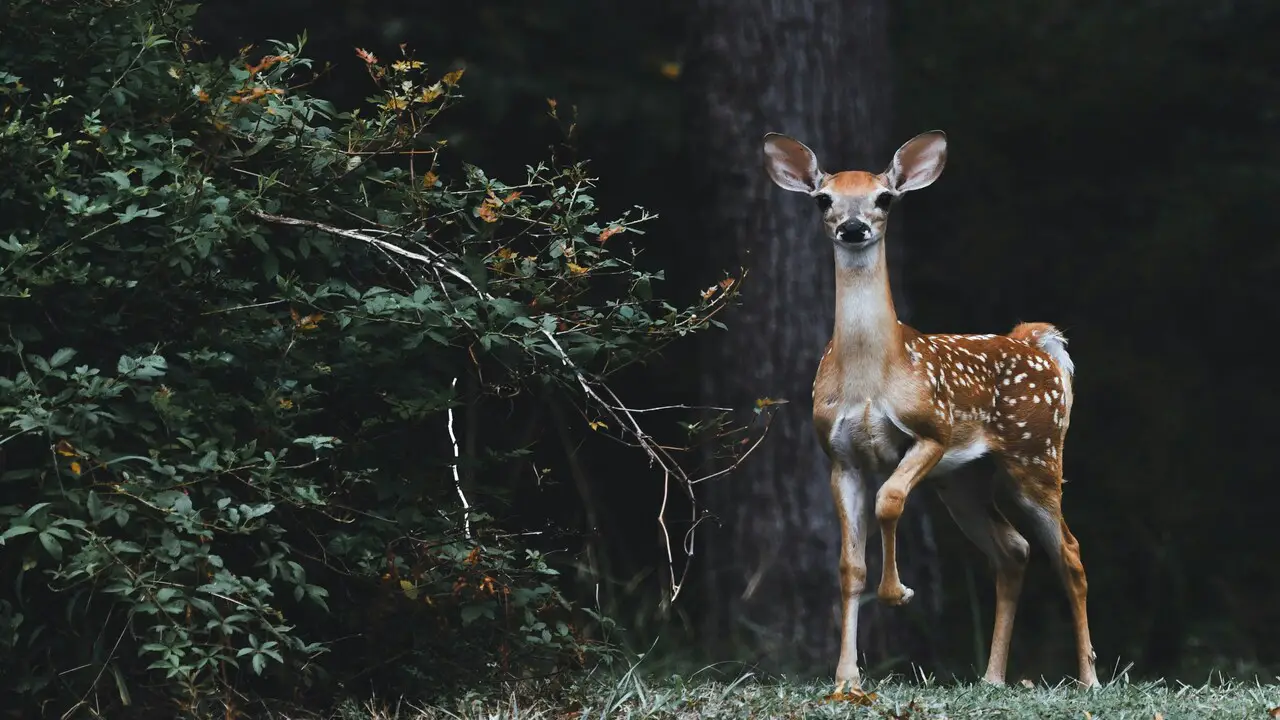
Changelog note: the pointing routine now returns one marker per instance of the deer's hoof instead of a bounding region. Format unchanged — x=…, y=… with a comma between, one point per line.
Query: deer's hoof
x=895, y=596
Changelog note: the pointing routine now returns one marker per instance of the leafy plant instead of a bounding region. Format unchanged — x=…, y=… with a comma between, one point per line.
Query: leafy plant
x=239, y=326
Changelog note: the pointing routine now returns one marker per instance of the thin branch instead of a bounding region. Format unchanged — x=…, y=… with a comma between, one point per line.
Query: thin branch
x=432, y=258
x=457, y=479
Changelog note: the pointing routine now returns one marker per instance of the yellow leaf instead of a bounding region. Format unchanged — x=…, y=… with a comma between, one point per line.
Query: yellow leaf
x=409, y=589
x=670, y=70
x=452, y=78
x=576, y=269
x=175, y=73
x=430, y=179
x=395, y=103
x=596, y=425
x=506, y=253
x=431, y=93
x=406, y=65
x=75, y=468
x=65, y=449
x=286, y=403
x=765, y=402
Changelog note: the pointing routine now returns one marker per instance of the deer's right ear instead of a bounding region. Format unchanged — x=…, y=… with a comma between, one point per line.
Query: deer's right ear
x=792, y=166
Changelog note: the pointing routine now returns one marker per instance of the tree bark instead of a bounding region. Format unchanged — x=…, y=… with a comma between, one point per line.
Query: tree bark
x=817, y=70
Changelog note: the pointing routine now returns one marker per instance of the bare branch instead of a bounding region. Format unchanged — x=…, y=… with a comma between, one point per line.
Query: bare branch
x=432, y=258
x=457, y=479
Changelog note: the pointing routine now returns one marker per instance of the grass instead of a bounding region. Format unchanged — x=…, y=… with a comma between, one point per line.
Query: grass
x=633, y=696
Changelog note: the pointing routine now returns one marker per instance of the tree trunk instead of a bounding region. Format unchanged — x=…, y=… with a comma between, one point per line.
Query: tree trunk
x=817, y=70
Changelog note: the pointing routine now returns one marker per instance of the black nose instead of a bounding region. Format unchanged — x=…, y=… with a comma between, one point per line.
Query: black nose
x=853, y=231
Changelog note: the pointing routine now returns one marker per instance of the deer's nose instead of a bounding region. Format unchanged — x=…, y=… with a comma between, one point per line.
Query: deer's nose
x=853, y=231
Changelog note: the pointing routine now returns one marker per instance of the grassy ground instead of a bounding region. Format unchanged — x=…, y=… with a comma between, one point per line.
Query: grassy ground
x=749, y=697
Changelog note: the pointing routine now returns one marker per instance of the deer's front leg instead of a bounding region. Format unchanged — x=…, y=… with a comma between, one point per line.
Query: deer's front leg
x=849, y=489
x=890, y=500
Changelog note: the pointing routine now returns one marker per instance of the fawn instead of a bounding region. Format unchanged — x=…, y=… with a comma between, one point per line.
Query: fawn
x=893, y=406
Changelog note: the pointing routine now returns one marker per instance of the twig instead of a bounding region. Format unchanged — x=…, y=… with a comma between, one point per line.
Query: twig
x=457, y=480
x=432, y=258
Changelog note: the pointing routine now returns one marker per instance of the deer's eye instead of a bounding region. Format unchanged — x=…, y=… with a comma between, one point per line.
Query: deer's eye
x=824, y=202
x=883, y=200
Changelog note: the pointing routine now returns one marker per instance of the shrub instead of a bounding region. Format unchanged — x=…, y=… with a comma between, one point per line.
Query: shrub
x=238, y=326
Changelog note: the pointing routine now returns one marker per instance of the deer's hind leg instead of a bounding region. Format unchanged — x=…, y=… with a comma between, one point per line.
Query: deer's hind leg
x=970, y=500
x=1037, y=488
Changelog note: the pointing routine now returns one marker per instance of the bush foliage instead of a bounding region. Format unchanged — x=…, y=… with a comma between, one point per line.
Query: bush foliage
x=238, y=327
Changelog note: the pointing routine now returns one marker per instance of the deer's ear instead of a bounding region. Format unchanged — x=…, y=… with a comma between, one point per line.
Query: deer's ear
x=792, y=166
x=918, y=162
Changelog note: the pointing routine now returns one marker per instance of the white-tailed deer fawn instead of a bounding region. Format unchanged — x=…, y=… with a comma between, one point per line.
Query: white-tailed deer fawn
x=892, y=406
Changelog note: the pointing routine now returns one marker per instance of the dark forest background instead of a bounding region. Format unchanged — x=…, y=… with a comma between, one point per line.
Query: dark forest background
x=1113, y=169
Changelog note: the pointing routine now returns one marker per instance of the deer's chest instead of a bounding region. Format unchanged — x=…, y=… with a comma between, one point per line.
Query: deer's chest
x=866, y=431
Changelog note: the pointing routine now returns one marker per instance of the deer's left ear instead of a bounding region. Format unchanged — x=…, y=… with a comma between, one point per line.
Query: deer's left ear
x=791, y=164
x=918, y=162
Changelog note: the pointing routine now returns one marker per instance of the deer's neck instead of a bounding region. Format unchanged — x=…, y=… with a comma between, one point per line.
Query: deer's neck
x=867, y=338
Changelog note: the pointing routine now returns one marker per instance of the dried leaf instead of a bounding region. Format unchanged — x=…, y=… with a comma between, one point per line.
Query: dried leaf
x=486, y=212
x=395, y=103
x=576, y=269
x=596, y=425
x=311, y=321
x=366, y=56
x=855, y=696
x=430, y=179
x=1026, y=683
x=1274, y=712
x=452, y=78
x=285, y=403
x=706, y=294
x=1158, y=716
x=670, y=70
x=610, y=232
x=65, y=449
x=406, y=65
x=75, y=467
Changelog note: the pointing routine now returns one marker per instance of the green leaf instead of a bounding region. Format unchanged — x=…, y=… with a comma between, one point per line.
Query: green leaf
x=94, y=505
x=15, y=531
x=209, y=461
x=61, y=357
x=51, y=545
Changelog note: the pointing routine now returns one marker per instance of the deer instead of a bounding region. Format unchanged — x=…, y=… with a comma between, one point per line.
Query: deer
x=893, y=406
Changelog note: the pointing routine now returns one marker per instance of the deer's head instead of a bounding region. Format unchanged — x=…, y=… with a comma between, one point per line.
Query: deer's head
x=855, y=204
